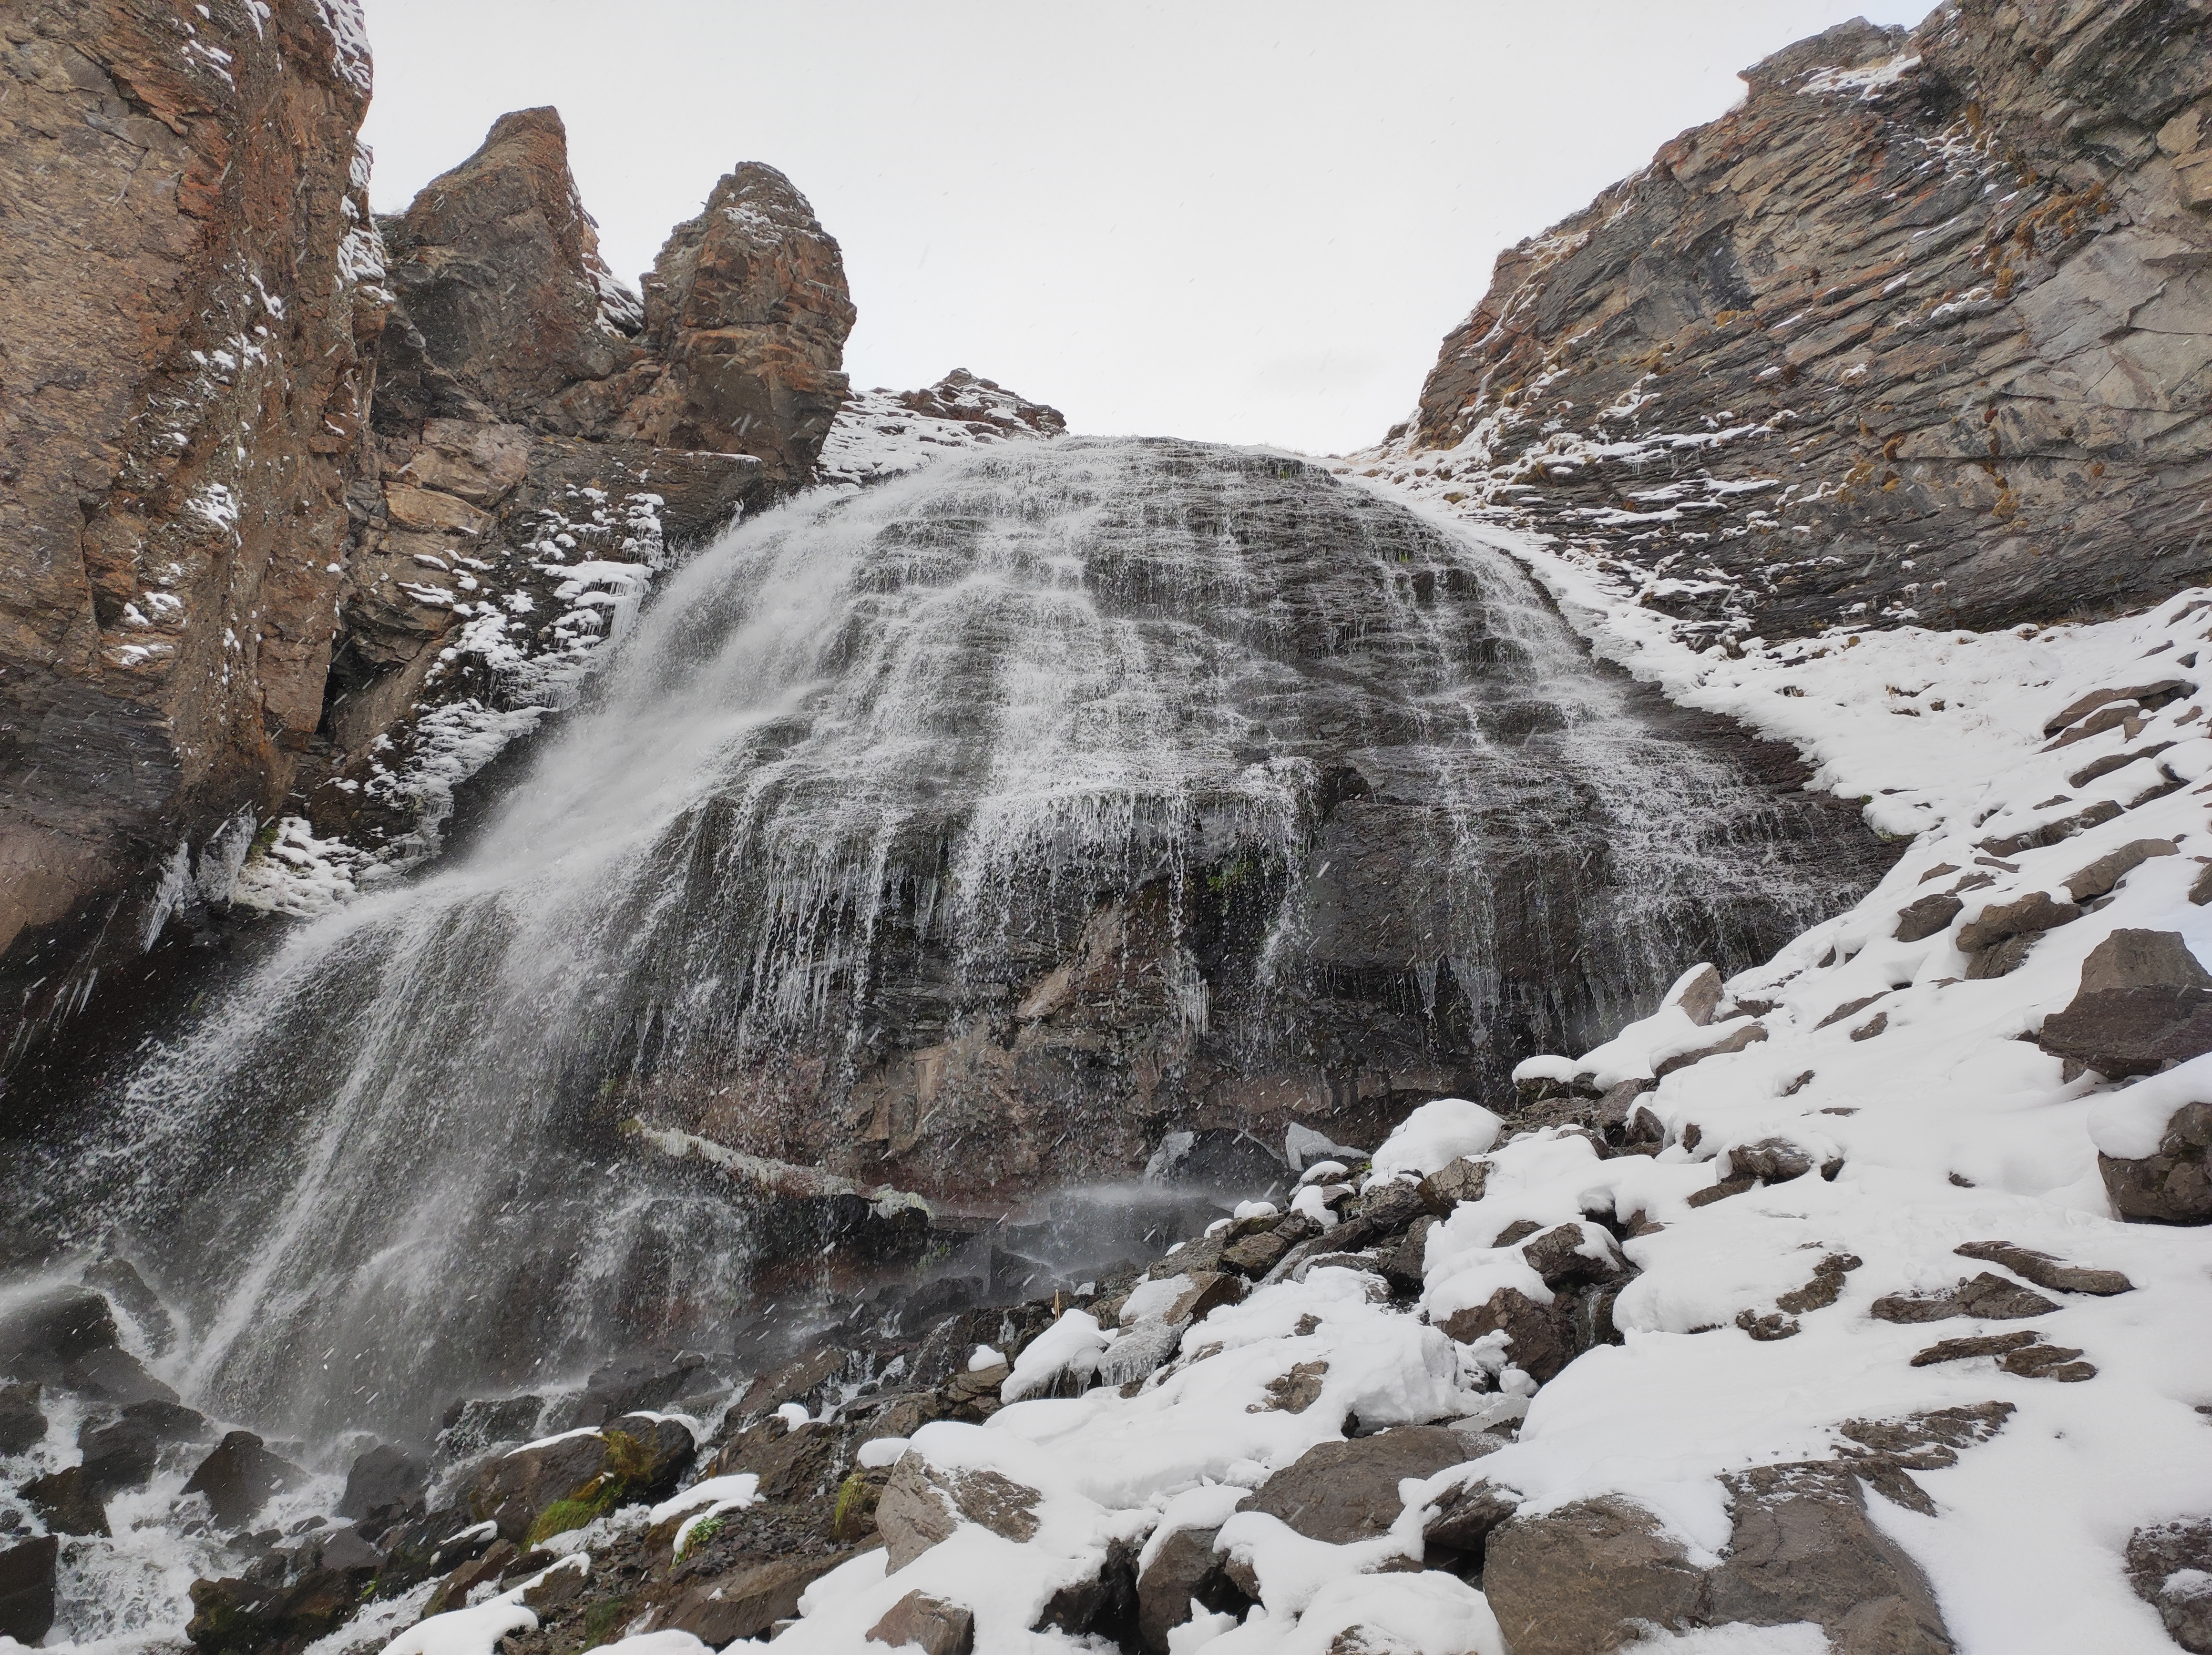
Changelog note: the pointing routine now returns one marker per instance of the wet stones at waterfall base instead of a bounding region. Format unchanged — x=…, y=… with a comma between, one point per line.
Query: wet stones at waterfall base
x=568, y=1480
x=27, y=1587
x=239, y=1477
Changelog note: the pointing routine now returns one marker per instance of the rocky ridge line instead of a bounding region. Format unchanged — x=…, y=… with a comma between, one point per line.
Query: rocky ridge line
x=1918, y=333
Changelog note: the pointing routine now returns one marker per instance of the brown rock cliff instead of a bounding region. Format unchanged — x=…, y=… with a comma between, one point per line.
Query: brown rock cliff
x=187, y=288
x=1921, y=331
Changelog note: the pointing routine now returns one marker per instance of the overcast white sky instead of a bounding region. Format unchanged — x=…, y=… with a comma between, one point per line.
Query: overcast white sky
x=1244, y=219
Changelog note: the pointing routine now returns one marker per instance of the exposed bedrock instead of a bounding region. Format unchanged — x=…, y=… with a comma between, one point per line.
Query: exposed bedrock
x=187, y=300
x=966, y=834
x=321, y=513
x=1922, y=332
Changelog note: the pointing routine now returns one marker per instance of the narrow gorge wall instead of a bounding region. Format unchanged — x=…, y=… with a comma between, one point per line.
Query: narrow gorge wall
x=1922, y=332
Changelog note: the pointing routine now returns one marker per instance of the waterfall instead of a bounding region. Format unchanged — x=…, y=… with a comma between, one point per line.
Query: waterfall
x=964, y=833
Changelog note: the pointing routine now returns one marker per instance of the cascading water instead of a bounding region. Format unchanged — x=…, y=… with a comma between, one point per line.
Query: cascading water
x=966, y=833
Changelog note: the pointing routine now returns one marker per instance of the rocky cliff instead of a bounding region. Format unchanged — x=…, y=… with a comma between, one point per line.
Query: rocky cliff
x=188, y=293
x=1921, y=331
x=316, y=513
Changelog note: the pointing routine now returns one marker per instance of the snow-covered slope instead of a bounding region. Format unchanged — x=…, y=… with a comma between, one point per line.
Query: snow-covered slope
x=1762, y=1323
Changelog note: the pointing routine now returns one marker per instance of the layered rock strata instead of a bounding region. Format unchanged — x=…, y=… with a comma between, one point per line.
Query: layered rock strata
x=344, y=507
x=189, y=292
x=1920, y=332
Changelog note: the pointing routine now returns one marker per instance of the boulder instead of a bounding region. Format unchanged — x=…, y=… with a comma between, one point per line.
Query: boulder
x=26, y=1588
x=1586, y=1578
x=568, y=1480
x=2170, y=1566
x=39, y=1339
x=127, y=1291
x=471, y=1573
x=1392, y=1203
x=1255, y=1255
x=2098, y=878
x=1184, y=1569
x=116, y=1377
x=249, y=1617
x=1295, y=1392
x=746, y=1601
x=931, y=1624
x=2143, y=1001
x=1736, y=1040
x=1991, y=1298
x=1926, y=916
x=792, y=1463
x=2154, y=694
x=384, y=1484
x=1573, y=1255
x=120, y=1454
x=2173, y=1185
x=23, y=1424
x=2035, y=912
x=796, y=1380
x=1217, y=1158
x=1208, y=1291
x=1101, y=1606
x=1403, y=1263
x=239, y=1477
x=1802, y=1549
x=1467, y=1514
x=1778, y=1160
x=1698, y=993
x=1455, y=1181
x=1539, y=1341
x=69, y=1500
x=1346, y=1491
x=922, y=1505
x=2045, y=1271
x=2001, y=959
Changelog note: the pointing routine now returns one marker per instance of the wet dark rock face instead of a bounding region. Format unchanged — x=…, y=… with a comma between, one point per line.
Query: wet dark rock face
x=966, y=836
x=1917, y=333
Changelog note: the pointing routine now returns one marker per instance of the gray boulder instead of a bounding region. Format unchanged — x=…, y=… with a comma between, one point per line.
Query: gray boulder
x=1925, y=916
x=384, y=1483
x=2098, y=878
x=2172, y=1185
x=747, y=1601
x=39, y=1338
x=1345, y=1491
x=934, y=1626
x=1992, y=1298
x=26, y=1589
x=2170, y=1566
x=2144, y=1001
x=22, y=1423
x=114, y=1375
x=922, y=1505
x=69, y=1502
x=1802, y=1549
x=1185, y=1570
x=1586, y=1578
x=239, y=1477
